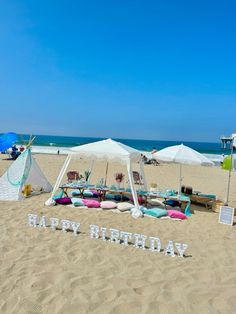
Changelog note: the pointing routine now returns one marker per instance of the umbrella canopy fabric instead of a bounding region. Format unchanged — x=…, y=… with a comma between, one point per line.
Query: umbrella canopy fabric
x=182, y=154
x=7, y=140
x=107, y=149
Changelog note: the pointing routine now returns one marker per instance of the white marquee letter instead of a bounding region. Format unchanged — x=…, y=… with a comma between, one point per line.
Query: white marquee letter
x=139, y=241
x=75, y=226
x=181, y=248
x=42, y=222
x=125, y=236
x=103, y=231
x=32, y=220
x=54, y=223
x=170, y=249
x=155, y=244
x=94, y=229
x=65, y=224
x=114, y=235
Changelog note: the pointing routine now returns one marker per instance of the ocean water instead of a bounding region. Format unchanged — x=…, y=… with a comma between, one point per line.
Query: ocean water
x=143, y=145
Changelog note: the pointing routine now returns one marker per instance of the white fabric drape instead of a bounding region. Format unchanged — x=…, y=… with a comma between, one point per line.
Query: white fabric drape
x=137, y=212
x=143, y=174
x=61, y=174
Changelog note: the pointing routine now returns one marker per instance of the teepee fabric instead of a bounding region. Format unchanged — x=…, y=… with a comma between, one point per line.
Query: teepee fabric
x=24, y=170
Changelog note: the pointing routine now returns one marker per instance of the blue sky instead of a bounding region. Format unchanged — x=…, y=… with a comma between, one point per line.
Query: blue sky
x=163, y=70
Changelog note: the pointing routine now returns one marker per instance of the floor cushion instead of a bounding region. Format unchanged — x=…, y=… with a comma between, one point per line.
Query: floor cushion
x=63, y=200
x=110, y=196
x=88, y=193
x=176, y=214
x=119, y=197
x=172, y=203
x=155, y=212
x=108, y=205
x=91, y=203
x=124, y=206
x=156, y=202
x=76, y=201
x=75, y=192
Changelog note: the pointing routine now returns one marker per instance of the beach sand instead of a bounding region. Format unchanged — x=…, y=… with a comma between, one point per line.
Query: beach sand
x=45, y=271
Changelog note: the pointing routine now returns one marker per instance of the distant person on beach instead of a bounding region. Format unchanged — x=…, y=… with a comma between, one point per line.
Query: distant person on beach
x=58, y=152
x=222, y=159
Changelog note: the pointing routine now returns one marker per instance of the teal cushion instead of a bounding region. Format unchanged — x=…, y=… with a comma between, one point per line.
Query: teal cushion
x=88, y=193
x=212, y=196
x=75, y=192
x=155, y=212
x=110, y=196
x=76, y=201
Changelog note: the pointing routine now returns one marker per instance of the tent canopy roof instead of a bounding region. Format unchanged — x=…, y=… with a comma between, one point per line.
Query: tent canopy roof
x=183, y=155
x=107, y=149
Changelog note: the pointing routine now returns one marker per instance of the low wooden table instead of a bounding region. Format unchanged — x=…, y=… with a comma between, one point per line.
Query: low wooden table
x=184, y=200
x=101, y=191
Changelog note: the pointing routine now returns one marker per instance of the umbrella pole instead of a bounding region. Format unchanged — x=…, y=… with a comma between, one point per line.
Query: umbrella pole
x=106, y=174
x=229, y=177
x=180, y=178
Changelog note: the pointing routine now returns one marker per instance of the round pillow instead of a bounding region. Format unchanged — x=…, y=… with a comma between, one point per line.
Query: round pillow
x=108, y=205
x=124, y=206
x=176, y=214
x=91, y=203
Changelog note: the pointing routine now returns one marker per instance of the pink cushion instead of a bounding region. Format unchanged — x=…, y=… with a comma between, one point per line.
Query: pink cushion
x=108, y=205
x=91, y=203
x=176, y=214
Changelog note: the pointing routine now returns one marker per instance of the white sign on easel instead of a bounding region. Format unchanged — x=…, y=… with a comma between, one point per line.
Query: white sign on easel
x=226, y=215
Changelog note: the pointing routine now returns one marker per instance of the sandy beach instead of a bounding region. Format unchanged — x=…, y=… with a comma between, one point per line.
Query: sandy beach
x=45, y=271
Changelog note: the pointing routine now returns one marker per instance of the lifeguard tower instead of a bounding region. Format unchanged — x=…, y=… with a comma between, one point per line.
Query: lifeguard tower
x=230, y=143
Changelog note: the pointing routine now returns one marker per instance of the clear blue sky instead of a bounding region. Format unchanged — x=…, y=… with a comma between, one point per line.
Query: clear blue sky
x=128, y=69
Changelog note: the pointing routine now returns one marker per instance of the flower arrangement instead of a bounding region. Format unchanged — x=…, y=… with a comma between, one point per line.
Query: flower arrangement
x=119, y=177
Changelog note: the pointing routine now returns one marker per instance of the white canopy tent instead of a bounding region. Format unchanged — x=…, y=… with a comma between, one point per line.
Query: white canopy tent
x=182, y=154
x=109, y=150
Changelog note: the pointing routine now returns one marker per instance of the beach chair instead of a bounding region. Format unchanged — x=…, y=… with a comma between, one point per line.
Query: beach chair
x=137, y=178
x=72, y=176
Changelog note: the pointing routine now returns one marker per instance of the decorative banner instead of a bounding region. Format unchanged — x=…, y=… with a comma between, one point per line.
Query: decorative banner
x=226, y=215
x=139, y=241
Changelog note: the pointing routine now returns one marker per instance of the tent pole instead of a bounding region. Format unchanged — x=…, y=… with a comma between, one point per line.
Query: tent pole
x=229, y=177
x=137, y=212
x=61, y=174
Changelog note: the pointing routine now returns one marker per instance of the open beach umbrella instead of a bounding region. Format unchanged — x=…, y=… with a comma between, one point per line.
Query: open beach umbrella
x=182, y=155
x=7, y=140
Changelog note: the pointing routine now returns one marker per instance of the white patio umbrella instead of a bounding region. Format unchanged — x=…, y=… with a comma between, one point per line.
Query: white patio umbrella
x=182, y=154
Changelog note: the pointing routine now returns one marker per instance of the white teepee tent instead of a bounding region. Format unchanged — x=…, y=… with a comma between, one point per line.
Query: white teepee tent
x=24, y=170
